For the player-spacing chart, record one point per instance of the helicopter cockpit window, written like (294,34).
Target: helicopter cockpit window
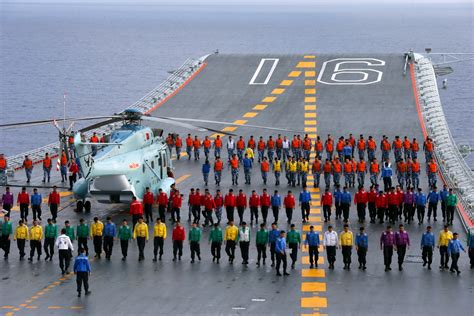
(143,168)
(152,164)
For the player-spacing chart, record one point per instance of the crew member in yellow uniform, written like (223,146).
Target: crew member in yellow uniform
(159,233)
(231,237)
(292,168)
(443,240)
(97,229)
(21,235)
(304,168)
(277,170)
(140,233)
(36,235)
(346,240)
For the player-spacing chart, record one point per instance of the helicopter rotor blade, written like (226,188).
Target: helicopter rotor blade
(174,122)
(49,121)
(229,123)
(100,124)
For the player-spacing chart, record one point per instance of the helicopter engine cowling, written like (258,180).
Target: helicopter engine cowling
(112,189)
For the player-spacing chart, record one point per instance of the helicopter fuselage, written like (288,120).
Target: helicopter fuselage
(133,159)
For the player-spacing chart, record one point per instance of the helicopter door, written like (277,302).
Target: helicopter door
(163,165)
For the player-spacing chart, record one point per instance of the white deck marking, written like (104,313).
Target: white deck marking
(259,68)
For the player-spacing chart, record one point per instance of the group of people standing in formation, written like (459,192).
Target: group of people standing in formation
(390,204)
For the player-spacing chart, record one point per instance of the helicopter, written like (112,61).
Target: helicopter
(132,158)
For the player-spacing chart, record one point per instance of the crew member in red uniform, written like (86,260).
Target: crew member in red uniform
(176,206)
(219,203)
(162,201)
(401,198)
(53,201)
(209,206)
(265,202)
(381,204)
(178,237)
(326,203)
(148,200)
(230,203)
(23,200)
(136,210)
(393,201)
(289,203)
(361,199)
(254,203)
(371,198)
(73,171)
(241,203)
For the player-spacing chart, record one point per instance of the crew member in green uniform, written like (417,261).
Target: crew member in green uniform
(125,235)
(261,241)
(50,235)
(293,239)
(216,238)
(82,231)
(194,239)
(7,230)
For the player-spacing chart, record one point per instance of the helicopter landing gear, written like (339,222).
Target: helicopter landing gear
(87,206)
(79,206)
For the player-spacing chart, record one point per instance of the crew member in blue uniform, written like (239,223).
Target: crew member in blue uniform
(454,250)
(312,242)
(346,200)
(427,247)
(280,249)
(362,245)
(82,270)
(305,201)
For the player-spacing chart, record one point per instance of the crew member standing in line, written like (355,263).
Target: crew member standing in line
(162,201)
(254,203)
(433,199)
(21,235)
(273,235)
(216,238)
(326,202)
(148,200)
(427,247)
(289,203)
(362,245)
(35,236)
(443,240)
(97,228)
(387,243)
(82,270)
(346,200)
(109,235)
(6,229)
(420,205)
(346,240)
(82,232)
(136,210)
(451,203)
(124,235)
(230,203)
(219,203)
(276,170)
(265,202)
(247,164)
(176,203)
(294,241)
(50,235)
(218,166)
(234,169)
(305,202)
(312,242)
(194,240)
(443,194)
(23,201)
(280,250)
(36,201)
(402,243)
(470,244)
(454,250)
(230,239)
(140,233)
(178,144)
(241,205)
(178,237)
(53,202)
(244,242)
(261,242)
(47,166)
(330,241)
(65,249)
(206,169)
(372,202)
(276,205)
(360,200)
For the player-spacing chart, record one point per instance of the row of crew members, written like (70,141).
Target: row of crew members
(301,146)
